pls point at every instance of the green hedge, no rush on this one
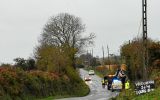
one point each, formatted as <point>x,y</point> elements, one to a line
<point>16,84</point>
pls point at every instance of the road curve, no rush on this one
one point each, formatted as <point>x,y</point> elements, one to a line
<point>96,90</point>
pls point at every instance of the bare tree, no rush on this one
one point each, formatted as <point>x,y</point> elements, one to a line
<point>65,30</point>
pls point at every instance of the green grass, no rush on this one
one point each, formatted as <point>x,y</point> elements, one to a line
<point>130,95</point>
<point>54,97</point>
<point>96,72</point>
<point>99,74</point>
<point>155,95</point>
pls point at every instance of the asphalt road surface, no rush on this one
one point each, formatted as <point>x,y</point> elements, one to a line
<point>96,90</point>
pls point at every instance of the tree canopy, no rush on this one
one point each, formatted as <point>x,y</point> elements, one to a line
<point>62,38</point>
<point>65,29</point>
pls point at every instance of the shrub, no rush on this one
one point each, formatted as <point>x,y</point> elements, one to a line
<point>16,84</point>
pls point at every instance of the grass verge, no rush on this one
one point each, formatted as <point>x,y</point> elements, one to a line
<point>130,95</point>
<point>96,72</point>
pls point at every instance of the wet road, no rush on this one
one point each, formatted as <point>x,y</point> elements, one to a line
<point>96,90</point>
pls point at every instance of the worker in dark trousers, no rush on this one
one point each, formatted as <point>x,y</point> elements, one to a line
<point>122,75</point>
<point>103,83</point>
<point>109,81</point>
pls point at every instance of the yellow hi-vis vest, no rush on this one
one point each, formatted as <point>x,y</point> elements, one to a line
<point>102,81</point>
<point>127,85</point>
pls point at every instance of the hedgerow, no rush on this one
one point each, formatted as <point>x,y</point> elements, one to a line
<point>16,84</point>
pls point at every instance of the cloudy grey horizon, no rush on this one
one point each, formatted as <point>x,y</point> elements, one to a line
<point>113,22</point>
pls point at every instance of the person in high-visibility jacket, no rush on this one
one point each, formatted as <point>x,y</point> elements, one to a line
<point>122,75</point>
<point>127,85</point>
<point>103,83</point>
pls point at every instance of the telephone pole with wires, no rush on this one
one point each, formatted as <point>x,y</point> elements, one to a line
<point>145,51</point>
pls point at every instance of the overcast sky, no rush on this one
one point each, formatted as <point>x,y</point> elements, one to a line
<point>113,22</point>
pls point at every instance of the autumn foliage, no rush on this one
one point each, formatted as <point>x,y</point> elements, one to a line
<point>132,55</point>
<point>16,84</point>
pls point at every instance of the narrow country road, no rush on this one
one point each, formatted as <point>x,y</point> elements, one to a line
<point>96,90</point>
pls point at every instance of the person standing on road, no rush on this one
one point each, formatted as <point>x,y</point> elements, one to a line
<point>122,75</point>
<point>103,83</point>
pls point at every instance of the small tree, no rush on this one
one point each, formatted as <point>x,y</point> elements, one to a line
<point>50,58</point>
<point>28,64</point>
<point>20,62</point>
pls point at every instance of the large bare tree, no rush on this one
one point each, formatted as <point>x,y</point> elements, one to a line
<point>65,30</point>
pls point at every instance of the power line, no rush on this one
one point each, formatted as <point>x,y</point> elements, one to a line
<point>139,28</point>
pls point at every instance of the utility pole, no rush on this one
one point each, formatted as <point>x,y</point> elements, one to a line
<point>145,51</point>
<point>92,52</point>
<point>108,56</point>
<point>92,58</point>
<point>103,54</point>
<point>88,59</point>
